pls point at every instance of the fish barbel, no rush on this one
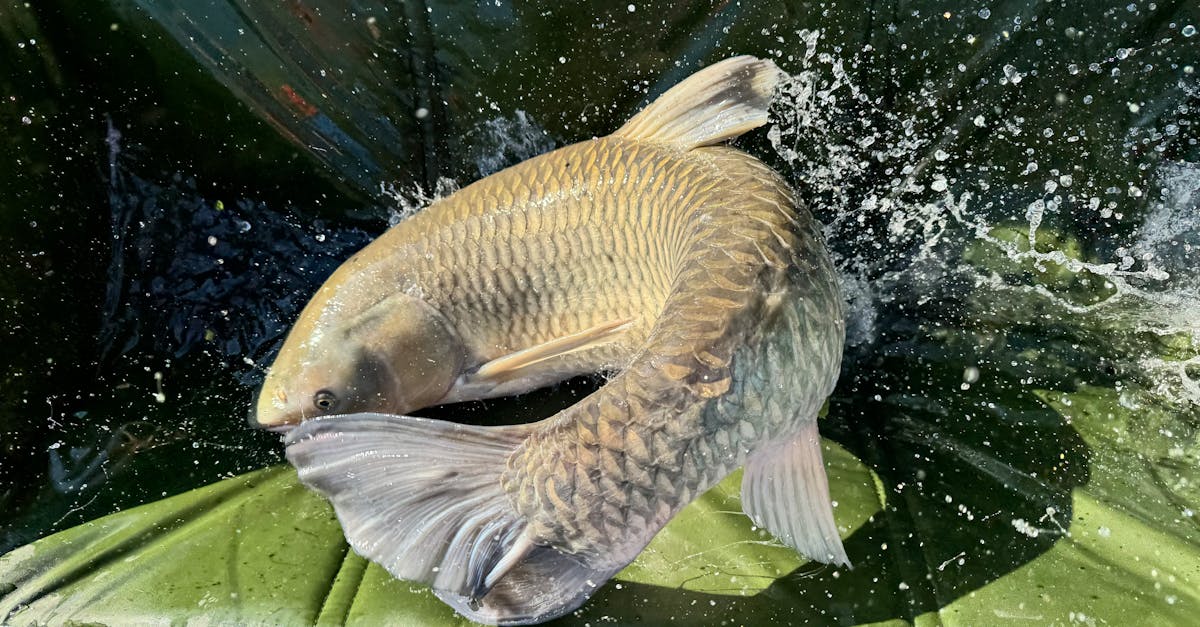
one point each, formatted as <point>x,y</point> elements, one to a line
<point>681,266</point>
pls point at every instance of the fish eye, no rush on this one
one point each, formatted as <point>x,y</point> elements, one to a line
<point>324,400</point>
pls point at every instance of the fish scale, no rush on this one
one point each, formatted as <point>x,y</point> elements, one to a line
<point>570,250</point>
<point>711,432</point>
<point>686,268</point>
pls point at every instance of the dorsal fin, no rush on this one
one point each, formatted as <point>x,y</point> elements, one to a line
<point>713,105</point>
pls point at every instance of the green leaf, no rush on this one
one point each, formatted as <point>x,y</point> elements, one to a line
<point>262,548</point>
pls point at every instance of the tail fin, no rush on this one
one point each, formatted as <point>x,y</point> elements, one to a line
<point>423,499</point>
<point>713,105</point>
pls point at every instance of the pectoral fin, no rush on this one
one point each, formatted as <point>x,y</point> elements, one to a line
<point>531,367</point>
<point>785,490</point>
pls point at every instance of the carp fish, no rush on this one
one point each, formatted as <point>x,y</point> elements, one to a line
<point>682,268</point>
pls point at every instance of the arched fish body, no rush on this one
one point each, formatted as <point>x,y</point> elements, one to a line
<point>683,266</point>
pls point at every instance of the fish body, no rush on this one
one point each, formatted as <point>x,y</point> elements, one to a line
<point>683,266</point>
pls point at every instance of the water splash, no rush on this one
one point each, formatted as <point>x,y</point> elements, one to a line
<point>916,216</point>
<point>408,200</point>
<point>495,144</point>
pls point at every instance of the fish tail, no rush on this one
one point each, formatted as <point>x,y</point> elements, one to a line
<point>711,106</point>
<point>423,498</point>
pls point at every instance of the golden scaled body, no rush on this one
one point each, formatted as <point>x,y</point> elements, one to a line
<point>683,267</point>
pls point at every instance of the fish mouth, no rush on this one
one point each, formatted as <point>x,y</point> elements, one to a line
<point>280,429</point>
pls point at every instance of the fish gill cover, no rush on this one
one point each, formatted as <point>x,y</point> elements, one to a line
<point>1010,190</point>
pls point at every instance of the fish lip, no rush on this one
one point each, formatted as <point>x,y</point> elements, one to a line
<point>280,429</point>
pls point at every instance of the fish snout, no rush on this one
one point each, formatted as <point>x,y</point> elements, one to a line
<point>271,411</point>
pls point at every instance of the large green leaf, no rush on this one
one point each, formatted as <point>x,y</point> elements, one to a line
<point>260,548</point>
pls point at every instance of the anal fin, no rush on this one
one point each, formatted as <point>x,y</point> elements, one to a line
<point>785,490</point>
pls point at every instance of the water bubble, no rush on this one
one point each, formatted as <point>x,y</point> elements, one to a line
<point>631,8</point>
<point>421,113</point>
<point>1066,180</point>
<point>1073,69</point>
<point>941,155</point>
<point>939,183</point>
<point>1122,53</point>
<point>979,120</point>
<point>1188,30</point>
<point>1134,107</point>
<point>985,13</point>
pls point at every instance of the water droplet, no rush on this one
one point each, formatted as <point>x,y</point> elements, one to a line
<point>1011,73</point>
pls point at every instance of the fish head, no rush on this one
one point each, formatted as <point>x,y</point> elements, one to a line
<point>394,356</point>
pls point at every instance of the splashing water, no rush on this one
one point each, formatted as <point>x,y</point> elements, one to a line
<point>407,200</point>
<point>1088,252</point>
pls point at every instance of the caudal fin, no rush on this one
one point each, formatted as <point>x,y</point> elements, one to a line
<point>713,105</point>
<point>423,499</point>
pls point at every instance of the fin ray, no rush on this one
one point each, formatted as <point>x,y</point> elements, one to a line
<point>530,367</point>
<point>785,490</point>
<point>713,105</point>
<point>423,499</point>
<point>420,497</point>
<point>546,584</point>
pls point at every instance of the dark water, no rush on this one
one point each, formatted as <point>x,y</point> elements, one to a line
<point>181,176</point>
